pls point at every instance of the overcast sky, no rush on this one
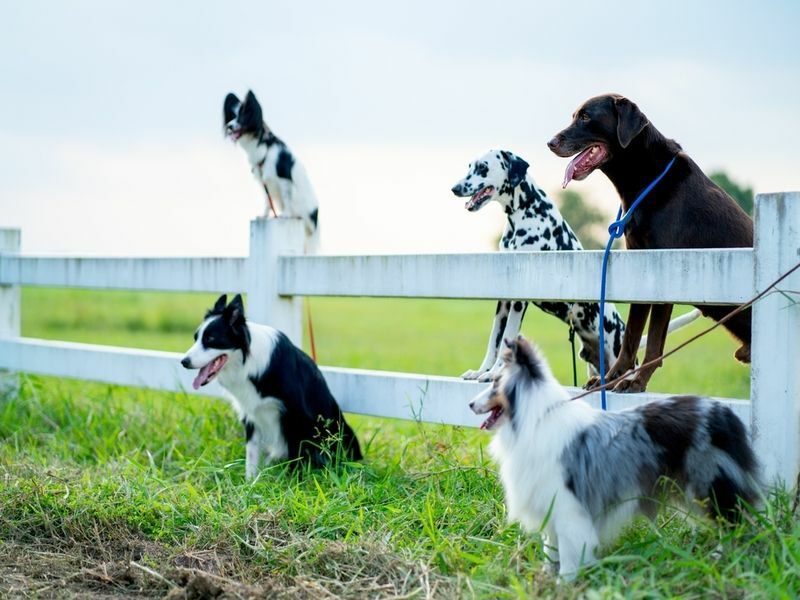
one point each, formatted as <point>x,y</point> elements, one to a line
<point>111,138</point>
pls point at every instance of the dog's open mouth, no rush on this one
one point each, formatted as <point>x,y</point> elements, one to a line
<point>234,134</point>
<point>585,162</point>
<point>208,372</point>
<point>479,198</point>
<point>491,421</point>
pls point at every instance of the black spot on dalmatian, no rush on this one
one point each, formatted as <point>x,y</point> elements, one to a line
<point>314,215</point>
<point>546,234</point>
<point>481,169</point>
<point>557,309</point>
<point>521,232</point>
<point>530,240</point>
<point>517,306</point>
<point>608,325</point>
<point>499,339</point>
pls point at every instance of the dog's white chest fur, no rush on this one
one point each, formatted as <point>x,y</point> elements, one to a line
<point>250,405</point>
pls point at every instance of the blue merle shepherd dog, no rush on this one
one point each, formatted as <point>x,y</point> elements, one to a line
<point>273,164</point>
<point>535,223</point>
<point>280,395</point>
<point>579,474</point>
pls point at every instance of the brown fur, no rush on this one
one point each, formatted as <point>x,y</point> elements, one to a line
<point>685,210</point>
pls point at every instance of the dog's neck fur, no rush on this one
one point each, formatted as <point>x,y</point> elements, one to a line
<point>632,169</point>
<point>521,204</point>
<point>257,146</point>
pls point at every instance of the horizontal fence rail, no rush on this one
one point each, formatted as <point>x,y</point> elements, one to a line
<point>155,274</point>
<point>690,276</point>
<point>428,398</point>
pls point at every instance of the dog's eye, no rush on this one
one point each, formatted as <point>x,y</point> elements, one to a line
<point>584,117</point>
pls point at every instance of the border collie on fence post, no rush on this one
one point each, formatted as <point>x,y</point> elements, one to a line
<point>775,376</point>
<point>10,304</point>
<point>269,239</point>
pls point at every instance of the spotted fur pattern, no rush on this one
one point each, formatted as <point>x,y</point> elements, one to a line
<point>579,474</point>
<point>533,223</point>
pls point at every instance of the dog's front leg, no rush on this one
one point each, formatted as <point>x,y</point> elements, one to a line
<point>577,542</point>
<point>495,339</point>
<point>252,449</point>
<point>513,324</point>
<point>637,317</point>
<point>656,338</point>
<point>550,549</point>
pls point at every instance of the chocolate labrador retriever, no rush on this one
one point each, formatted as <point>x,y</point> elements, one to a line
<point>685,210</point>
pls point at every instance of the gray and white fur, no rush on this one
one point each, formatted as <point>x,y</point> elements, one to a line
<point>580,474</point>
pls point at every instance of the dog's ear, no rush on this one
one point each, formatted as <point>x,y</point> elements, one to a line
<point>251,110</point>
<point>630,120</point>
<point>219,306</point>
<point>526,356</point>
<point>516,167</point>
<point>234,312</point>
<point>230,107</point>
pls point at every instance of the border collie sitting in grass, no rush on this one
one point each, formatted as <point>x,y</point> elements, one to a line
<point>285,405</point>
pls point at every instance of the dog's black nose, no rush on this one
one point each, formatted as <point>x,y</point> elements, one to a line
<point>456,189</point>
<point>472,405</point>
<point>186,362</point>
<point>553,144</point>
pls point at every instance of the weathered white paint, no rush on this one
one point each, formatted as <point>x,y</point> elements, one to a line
<point>157,274</point>
<point>10,304</point>
<point>683,276</point>
<point>10,309</point>
<point>775,375</point>
<point>270,239</point>
<point>426,398</point>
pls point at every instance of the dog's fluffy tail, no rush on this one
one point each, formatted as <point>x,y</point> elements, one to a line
<point>737,477</point>
<point>676,323</point>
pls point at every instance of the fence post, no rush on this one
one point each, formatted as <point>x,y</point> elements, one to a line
<point>269,239</point>
<point>775,376</point>
<point>10,305</point>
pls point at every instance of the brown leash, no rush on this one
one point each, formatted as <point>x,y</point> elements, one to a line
<point>724,319</point>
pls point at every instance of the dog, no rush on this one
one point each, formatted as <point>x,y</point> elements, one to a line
<point>280,395</point>
<point>273,164</point>
<point>684,210</point>
<point>579,474</point>
<point>535,223</point>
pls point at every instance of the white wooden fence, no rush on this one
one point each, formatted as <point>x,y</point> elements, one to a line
<point>274,275</point>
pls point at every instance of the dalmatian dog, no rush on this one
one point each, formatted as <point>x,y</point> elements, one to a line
<point>534,223</point>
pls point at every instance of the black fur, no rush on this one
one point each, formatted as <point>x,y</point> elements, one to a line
<point>312,418</point>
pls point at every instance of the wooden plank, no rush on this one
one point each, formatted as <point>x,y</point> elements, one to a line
<point>410,396</point>
<point>681,276</point>
<point>155,274</point>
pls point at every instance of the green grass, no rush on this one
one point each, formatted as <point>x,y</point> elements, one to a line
<point>97,476</point>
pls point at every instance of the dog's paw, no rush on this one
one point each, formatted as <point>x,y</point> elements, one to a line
<point>472,374</point>
<point>489,375</point>
<point>592,383</point>
<point>630,386</point>
<point>742,354</point>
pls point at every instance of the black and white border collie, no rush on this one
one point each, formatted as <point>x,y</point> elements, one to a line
<point>535,223</point>
<point>273,164</point>
<point>581,473</point>
<point>280,395</point>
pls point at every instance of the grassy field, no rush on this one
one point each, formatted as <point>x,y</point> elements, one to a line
<point>111,491</point>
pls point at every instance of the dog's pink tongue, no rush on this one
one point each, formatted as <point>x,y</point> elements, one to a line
<point>202,376</point>
<point>569,172</point>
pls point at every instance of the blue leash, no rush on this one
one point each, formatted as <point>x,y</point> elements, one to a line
<point>615,231</point>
